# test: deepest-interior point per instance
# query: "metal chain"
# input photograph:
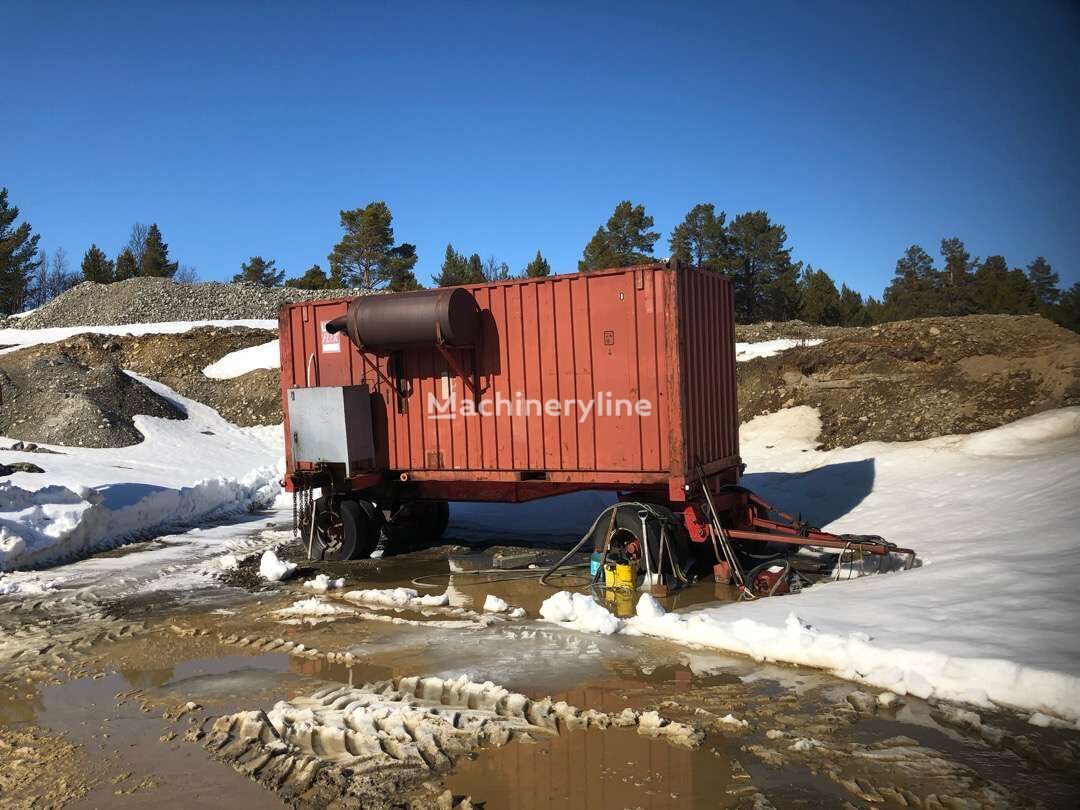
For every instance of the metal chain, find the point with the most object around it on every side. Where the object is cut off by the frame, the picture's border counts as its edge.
(303, 504)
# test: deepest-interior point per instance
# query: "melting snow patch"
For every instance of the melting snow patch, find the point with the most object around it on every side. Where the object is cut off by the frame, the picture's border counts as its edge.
(494, 604)
(767, 348)
(397, 598)
(580, 612)
(313, 607)
(240, 362)
(274, 569)
(322, 583)
(228, 562)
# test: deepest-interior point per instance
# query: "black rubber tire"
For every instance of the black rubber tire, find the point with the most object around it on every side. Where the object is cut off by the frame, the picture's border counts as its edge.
(358, 532)
(418, 523)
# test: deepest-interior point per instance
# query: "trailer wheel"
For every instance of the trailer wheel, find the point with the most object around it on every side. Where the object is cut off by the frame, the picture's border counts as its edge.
(353, 537)
(417, 522)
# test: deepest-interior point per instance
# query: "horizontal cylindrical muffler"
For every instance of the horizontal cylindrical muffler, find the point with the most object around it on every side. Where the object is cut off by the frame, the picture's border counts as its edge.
(426, 317)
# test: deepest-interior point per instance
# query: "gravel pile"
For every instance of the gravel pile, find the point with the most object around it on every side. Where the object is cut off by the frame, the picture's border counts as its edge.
(155, 300)
(59, 400)
(913, 380)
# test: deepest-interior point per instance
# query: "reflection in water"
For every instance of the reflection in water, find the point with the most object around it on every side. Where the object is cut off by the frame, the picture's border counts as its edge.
(145, 678)
(592, 769)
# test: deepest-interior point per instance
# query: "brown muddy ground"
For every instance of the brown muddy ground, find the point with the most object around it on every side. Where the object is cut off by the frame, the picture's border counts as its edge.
(919, 379)
(120, 699)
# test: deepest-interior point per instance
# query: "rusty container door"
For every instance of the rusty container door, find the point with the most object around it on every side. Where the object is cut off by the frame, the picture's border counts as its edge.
(709, 408)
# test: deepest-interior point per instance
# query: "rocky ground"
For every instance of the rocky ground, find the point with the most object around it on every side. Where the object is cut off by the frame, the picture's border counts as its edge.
(157, 300)
(75, 393)
(918, 379)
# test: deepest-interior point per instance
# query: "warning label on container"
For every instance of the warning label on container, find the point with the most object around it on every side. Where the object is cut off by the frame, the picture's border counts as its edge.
(330, 343)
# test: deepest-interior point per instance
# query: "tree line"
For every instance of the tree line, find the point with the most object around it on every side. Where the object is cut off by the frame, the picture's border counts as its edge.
(30, 276)
(750, 249)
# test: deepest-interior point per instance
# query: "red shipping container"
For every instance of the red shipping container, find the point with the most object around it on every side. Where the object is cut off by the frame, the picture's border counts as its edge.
(619, 379)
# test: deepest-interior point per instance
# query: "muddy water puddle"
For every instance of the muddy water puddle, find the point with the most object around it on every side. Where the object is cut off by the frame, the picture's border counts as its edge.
(593, 769)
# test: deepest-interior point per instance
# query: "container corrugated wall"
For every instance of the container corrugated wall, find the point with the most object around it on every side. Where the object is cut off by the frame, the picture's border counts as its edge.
(710, 399)
(598, 337)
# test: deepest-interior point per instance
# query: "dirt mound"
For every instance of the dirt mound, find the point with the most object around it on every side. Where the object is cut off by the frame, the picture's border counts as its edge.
(156, 300)
(178, 362)
(792, 330)
(918, 379)
(58, 399)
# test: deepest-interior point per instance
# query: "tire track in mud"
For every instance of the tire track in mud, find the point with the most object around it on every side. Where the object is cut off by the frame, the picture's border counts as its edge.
(47, 633)
(386, 744)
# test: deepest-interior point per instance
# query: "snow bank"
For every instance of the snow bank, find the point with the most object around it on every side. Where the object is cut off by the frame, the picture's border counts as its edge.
(274, 569)
(990, 617)
(16, 339)
(240, 362)
(185, 472)
(397, 598)
(767, 348)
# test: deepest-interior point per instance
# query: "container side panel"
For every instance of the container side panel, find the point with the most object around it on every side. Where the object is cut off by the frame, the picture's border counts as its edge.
(614, 347)
(583, 368)
(562, 325)
(534, 351)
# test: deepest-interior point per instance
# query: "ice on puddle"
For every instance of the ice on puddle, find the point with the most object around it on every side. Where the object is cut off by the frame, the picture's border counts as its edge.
(274, 569)
(322, 583)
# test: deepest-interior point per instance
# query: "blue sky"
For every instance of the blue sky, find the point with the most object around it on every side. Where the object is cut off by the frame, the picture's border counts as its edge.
(242, 129)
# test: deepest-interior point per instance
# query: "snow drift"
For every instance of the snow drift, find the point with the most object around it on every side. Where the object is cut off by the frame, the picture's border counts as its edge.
(185, 472)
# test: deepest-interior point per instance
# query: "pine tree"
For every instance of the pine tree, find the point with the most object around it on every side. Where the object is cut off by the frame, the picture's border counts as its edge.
(18, 257)
(911, 293)
(400, 263)
(759, 264)
(258, 270)
(155, 259)
(96, 266)
(700, 240)
(475, 272)
(957, 280)
(313, 279)
(366, 257)
(126, 266)
(820, 298)
(538, 267)
(852, 309)
(625, 240)
(454, 270)
(1044, 281)
(1067, 311)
